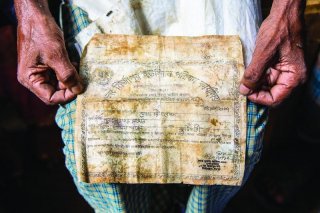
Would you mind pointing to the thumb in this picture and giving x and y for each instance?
(251, 79)
(264, 52)
(67, 74)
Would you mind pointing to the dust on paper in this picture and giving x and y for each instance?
(161, 110)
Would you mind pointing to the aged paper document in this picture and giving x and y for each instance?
(161, 110)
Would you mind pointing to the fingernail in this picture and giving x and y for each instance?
(244, 90)
(77, 89)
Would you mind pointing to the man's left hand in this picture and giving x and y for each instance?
(278, 65)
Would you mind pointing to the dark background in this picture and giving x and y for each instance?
(33, 177)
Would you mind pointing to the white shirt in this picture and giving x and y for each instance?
(186, 17)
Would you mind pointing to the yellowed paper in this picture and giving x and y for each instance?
(161, 110)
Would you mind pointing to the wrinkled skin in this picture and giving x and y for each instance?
(276, 69)
(278, 64)
(44, 66)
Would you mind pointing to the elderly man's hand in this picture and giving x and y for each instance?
(44, 66)
(277, 65)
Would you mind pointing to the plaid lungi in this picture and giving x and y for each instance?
(152, 197)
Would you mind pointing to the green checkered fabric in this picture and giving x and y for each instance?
(151, 197)
(74, 20)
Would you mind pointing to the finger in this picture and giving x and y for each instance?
(65, 71)
(270, 79)
(43, 91)
(50, 96)
(279, 92)
(264, 52)
(271, 76)
(32, 74)
(39, 75)
(272, 97)
(62, 96)
(41, 85)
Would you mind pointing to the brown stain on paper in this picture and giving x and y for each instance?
(136, 48)
(214, 122)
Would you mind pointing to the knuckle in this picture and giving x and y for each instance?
(251, 76)
(67, 76)
(250, 72)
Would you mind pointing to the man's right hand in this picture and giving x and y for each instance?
(43, 63)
